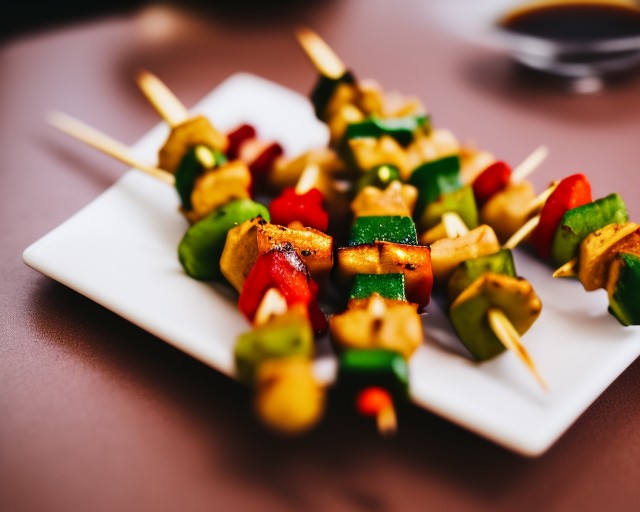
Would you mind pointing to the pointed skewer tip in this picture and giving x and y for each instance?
(323, 58)
(166, 104)
(510, 338)
(568, 269)
(387, 422)
(529, 164)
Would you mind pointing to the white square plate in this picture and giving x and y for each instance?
(121, 251)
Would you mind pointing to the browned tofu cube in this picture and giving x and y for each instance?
(314, 247)
(240, 252)
(218, 186)
(414, 261)
(448, 253)
(598, 250)
(376, 322)
(507, 211)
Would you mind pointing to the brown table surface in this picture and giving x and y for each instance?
(96, 414)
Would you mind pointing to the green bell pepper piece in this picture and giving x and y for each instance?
(402, 129)
(389, 286)
(284, 336)
(579, 222)
(624, 301)
(469, 322)
(362, 368)
(383, 228)
(461, 201)
(435, 178)
(201, 246)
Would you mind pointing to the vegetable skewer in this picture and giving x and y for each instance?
(188, 132)
(474, 267)
(278, 298)
(381, 328)
(573, 231)
(435, 178)
(288, 398)
(374, 144)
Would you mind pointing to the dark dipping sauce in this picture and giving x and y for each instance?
(575, 21)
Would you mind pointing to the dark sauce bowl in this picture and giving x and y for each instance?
(574, 39)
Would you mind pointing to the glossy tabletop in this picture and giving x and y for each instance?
(97, 414)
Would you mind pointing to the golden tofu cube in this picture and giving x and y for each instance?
(287, 172)
(397, 199)
(473, 162)
(507, 211)
(240, 252)
(345, 94)
(314, 247)
(598, 250)
(289, 399)
(397, 104)
(368, 152)
(448, 253)
(432, 146)
(340, 119)
(193, 132)
(376, 322)
(370, 97)
(218, 186)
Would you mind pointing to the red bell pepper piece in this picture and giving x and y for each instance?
(370, 401)
(264, 161)
(305, 208)
(571, 192)
(491, 181)
(284, 270)
(237, 137)
(316, 316)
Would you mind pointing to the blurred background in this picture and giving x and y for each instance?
(27, 17)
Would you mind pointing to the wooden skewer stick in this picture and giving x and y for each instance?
(522, 233)
(453, 224)
(568, 269)
(273, 304)
(531, 224)
(308, 179)
(538, 202)
(529, 164)
(386, 421)
(98, 140)
(323, 58)
(163, 100)
(377, 402)
(507, 334)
